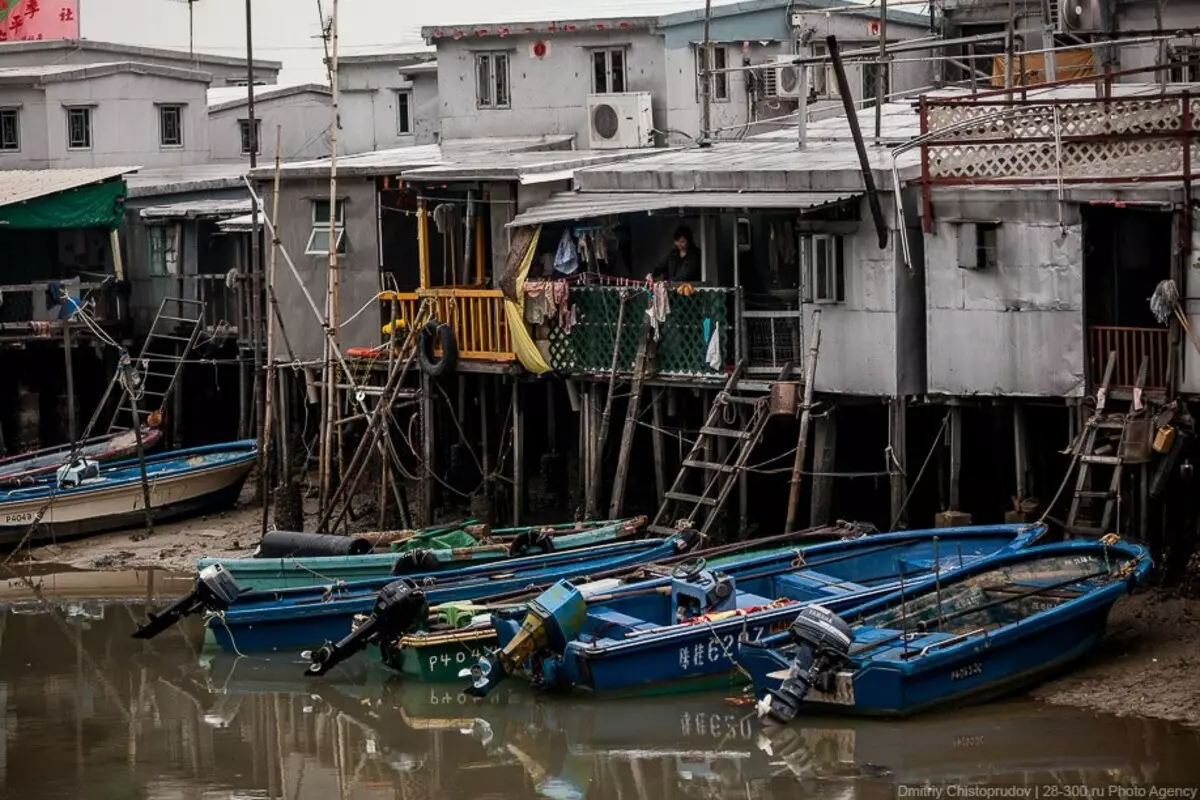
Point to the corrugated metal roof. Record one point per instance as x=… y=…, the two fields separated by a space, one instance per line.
x=586 y=205
x=535 y=167
x=198 y=209
x=19 y=185
x=180 y=180
x=242 y=224
x=225 y=97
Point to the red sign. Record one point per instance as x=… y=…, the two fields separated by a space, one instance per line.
x=25 y=20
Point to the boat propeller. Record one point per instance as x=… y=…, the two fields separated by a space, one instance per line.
x=214 y=590
x=400 y=607
x=822 y=645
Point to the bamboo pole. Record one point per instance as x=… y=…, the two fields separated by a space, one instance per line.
x=270 y=382
x=332 y=295
x=810 y=375
x=597 y=449
x=141 y=457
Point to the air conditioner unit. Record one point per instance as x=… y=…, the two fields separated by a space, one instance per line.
x=788 y=78
x=620 y=120
x=1079 y=15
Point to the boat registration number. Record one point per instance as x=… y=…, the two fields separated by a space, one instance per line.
x=968 y=671
x=19 y=519
x=461 y=657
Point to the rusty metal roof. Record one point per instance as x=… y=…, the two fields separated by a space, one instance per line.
x=588 y=205
x=19 y=185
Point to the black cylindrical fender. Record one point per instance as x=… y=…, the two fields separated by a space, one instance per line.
x=285 y=544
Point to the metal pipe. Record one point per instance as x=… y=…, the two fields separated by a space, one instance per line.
x=881 y=70
x=706 y=78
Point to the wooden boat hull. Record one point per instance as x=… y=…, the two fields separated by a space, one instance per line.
x=99 y=507
x=289 y=573
x=980 y=667
x=694 y=657
x=288 y=624
x=27 y=467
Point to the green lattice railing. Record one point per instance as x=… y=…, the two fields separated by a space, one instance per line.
x=682 y=348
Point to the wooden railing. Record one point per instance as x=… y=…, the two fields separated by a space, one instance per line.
x=24 y=304
x=1131 y=345
x=475 y=315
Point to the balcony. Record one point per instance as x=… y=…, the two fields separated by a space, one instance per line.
x=1131 y=345
x=475 y=315
x=23 y=307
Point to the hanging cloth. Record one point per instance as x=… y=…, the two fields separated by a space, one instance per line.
x=713 y=356
x=514 y=311
x=566 y=259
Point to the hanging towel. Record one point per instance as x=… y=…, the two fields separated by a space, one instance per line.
x=659 y=308
x=713 y=356
x=566 y=260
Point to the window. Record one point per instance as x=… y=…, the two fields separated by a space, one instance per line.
x=1185 y=64
x=404 y=120
x=977 y=242
x=79 y=128
x=822 y=81
x=318 y=240
x=10 y=129
x=164 y=249
x=170 y=126
x=491 y=80
x=720 y=81
x=608 y=70
x=244 y=129
x=821 y=258
x=870 y=74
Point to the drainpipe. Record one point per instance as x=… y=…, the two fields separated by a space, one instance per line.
x=706 y=79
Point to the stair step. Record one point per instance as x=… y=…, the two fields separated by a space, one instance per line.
x=168 y=336
x=662 y=530
x=1110 y=461
x=730 y=432
x=709 y=465
x=184 y=320
x=691 y=498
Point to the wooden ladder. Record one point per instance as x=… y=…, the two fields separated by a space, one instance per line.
x=172 y=336
x=717 y=478
x=1098 y=435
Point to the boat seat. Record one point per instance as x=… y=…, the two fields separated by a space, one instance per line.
x=813 y=585
x=607 y=623
x=748 y=600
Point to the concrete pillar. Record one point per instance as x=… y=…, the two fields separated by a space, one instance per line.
x=898 y=442
x=824 y=457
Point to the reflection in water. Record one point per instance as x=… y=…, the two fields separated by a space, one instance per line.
x=90 y=713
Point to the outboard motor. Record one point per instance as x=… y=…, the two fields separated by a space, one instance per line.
x=400 y=607
x=697 y=590
x=75 y=473
x=555 y=618
x=214 y=590
x=416 y=560
x=822 y=645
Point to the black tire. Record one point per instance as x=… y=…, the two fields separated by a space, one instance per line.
x=445 y=335
x=530 y=543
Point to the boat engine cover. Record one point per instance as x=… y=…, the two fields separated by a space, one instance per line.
x=216 y=587
x=822 y=645
x=75 y=473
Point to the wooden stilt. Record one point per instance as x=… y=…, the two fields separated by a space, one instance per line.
x=485 y=446
x=955 y=457
x=427 y=451
x=824 y=460
x=141 y=457
x=660 y=472
x=518 y=434
x=1020 y=452
x=601 y=438
x=268 y=402
x=69 y=366
x=810 y=378
x=631 y=419
x=898 y=444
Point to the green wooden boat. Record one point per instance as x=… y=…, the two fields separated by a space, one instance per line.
x=431 y=550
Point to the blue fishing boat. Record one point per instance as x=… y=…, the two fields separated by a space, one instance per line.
x=681 y=636
x=990 y=628
x=292 y=619
x=88 y=497
x=422 y=554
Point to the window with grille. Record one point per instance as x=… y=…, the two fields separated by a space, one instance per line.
x=719 y=80
x=170 y=126
x=318 y=239
x=821 y=259
x=164 y=250
x=1184 y=63
x=79 y=128
x=247 y=141
x=608 y=70
x=491 y=80
x=10 y=129
x=404 y=120
x=870 y=85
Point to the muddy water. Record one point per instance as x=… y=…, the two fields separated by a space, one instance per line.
x=90 y=713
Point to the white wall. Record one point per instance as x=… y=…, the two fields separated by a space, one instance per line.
x=304 y=121
x=368 y=98
x=125 y=122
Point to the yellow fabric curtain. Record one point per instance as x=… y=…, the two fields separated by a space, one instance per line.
x=1068 y=64
x=523 y=345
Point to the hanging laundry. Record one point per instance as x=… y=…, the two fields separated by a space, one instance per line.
x=713 y=356
x=659 y=308
x=566 y=260
x=445 y=217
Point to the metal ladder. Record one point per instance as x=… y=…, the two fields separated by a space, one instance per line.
x=168 y=345
x=1110 y=430
x=717 y=478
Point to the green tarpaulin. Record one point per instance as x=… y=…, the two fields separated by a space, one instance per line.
x=100 y=205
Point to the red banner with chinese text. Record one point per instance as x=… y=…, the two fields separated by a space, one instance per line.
x=25 y=20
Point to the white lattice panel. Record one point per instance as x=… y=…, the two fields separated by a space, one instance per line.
x=955 y=155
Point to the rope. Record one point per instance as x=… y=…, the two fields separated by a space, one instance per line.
x=928 y=457
x=220 y=615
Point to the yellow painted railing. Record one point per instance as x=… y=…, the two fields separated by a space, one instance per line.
x=475 y=315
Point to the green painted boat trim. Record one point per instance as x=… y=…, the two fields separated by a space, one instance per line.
x=439 y=659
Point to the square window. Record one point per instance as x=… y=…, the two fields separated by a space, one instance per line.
x=170 y=126
x=718 y=80
x=10 y=130
x=244 y=130
x=404 y=120
x=608 y=70
x=79 y=128
x=491 y=80
x=821 y=257
x=163 y=243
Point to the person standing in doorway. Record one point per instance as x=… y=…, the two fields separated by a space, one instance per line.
x=682 y=264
